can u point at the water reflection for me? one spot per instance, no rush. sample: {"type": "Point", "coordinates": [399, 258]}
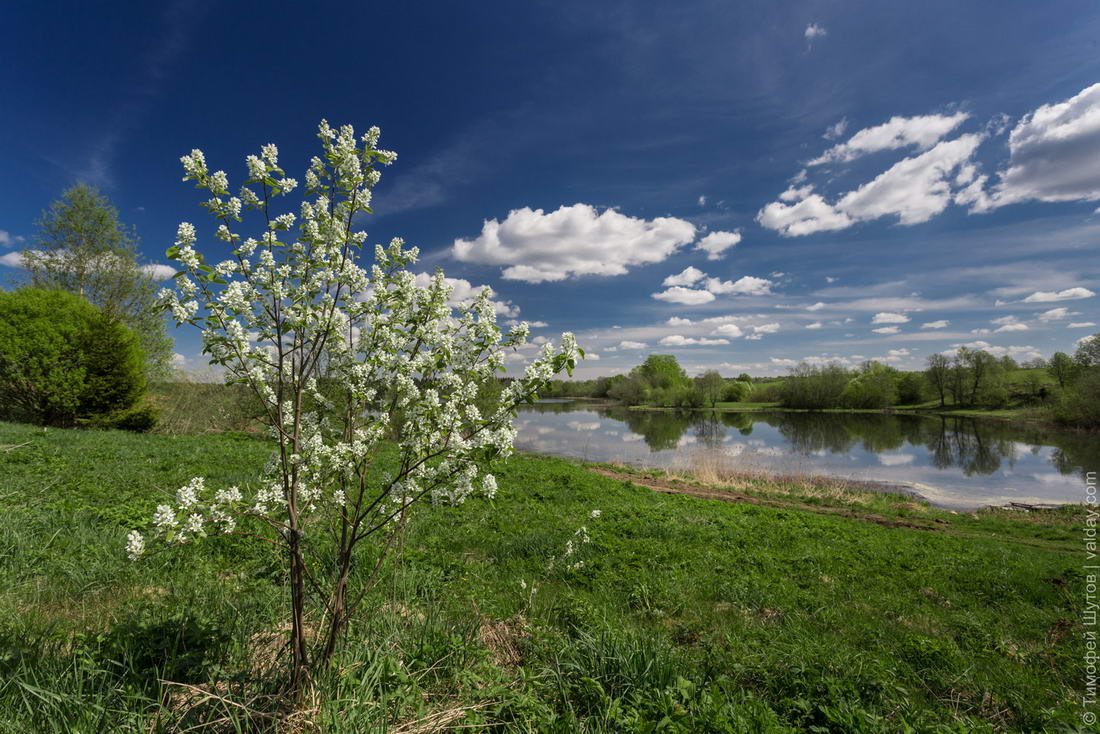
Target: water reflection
{"type": "Point", "coordinates": [959, 461]}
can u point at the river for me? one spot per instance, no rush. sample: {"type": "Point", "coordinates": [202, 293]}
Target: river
{"type": "Point", "coordinates": [959, 463]}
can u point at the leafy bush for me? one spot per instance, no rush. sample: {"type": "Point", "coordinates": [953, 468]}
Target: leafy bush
{"type": "Point", "coordinates": [1080, 403]}
{"type": "Point", "coordinates": [63, 362]}
{"type": "Point", "coordinates": [814, 387]}
{"type": "Point", "coordinates": [874, 387]}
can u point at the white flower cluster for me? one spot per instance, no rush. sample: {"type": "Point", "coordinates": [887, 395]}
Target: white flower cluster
{"type": "Point", "coordinates": [350, 363]}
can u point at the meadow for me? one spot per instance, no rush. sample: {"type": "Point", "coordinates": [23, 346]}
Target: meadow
{"type": "Point", "coordinates": [711, 603]}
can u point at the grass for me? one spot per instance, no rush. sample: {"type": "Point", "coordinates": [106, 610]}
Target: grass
{"type": "Point", "coordinates": [775, 606]}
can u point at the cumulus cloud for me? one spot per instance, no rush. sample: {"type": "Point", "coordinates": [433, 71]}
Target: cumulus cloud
{"type": "Point", "coordinates": [941, 324]}
{"type": "Point", "coordinates": [1080, 324]}
{"type": "Point", "coordinates": [684, 296]}
{"type": "Point", "coordinates": [715, 244]}
{"type": "Point", "coordinates": [766, 328]}
{"type": "Point", "coordinates": [730, 330]}
{"type": "Point", "coordinates": [886, 330]}
{"type": "Point", "coordinates": [12, 260]}
{"type": "Point", "coordinates": [1052, 154]}
{"type": "Point", "coordinates": [743, 286]}
{"type": "Point", "coordinates": [702, 200]}
{"type": "Point", "coordinates": [816, 307]}
{"type": "Point", "coordinates": [576, 240]}
{"type": "Point", "coordinates": [628, 346]}
{"type": "Point", "coordinates": [811, 213]}
{"type": "Point", "coordinates": [814, 325]}
{"type": "Point", "coordinates": [688, 276]}
{"type": "Point", "coordinates": [885, 317]}
{"type": "Point", "coordinates": [1069, 294]}
{"type": "Point", "coordinates": [7, 239]}
{"type": "Point", "coordinates": [707, 287]}
{"type": "Point", "coordinates": [677, 340]}
{"type": "Point", "coordinates": [921, 132]}
{"type": "Point", "coordinates": [1054, 314]}
{"type": "Point", "coordinates": [158, 272]}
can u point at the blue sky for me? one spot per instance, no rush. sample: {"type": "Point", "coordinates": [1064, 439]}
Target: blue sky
{"type": "Point", "coordinates": [744, 185]}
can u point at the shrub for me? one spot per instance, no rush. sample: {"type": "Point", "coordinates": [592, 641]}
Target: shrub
{"type": "Point", "coordinates": [1080, 403]}
{"type": "Point", "coordinates": [814, 387]}
{"type": "Point", "coordinates": [63, 362]}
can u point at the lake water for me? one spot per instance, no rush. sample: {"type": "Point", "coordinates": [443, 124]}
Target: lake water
{"type": "Point", "coordinates": [952, 462]}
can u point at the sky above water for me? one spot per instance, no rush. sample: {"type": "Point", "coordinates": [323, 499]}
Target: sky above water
{"type": "Point", "coordinates": [742, 184]}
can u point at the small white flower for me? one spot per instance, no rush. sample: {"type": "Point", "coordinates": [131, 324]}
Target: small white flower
{"type": "Point", "coordinates": [135, 545]}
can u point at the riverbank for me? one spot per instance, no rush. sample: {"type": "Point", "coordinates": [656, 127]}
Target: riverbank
{"type": "Point", "coordinates": [773, 605]}
{"type": "Point", "coordinates": [1037, 416]}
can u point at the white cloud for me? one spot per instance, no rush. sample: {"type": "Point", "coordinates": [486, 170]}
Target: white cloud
{"type": "Point", "coordinates": [159, 272]}
{"type": "Point", "coordinates": [1081, 324]}
{"type": "Point", "coordinates": [914, 189]}
{"type": "Point", "coordinates": [688, 276]}
{"type": "Point", "coordinates": [12, 260]}
{"type": "Point", "coordinates": [684, 296]}
{"type": "Point", "coordinates": [941, 324]}
{"type": "Point", "coordinates": [886, 330]}
{"type": "Point", "coordinates": [895, 459]}
{"type": "Point", "coordinates": [579, 426]}
{"type": "Point", "coordinates": [629, 345]}
{"type": "Point", "coordinates": [1052, 154]}
{"type": "Point", "coordinates": [677, 340]}
{"type": "Point", "coordinates": [816, 307]}
{"type": "Point", "coordinates": [463, 292]}
{"type": "Point", "coordinates": [1069, 294]}
{"type": "Point", "coordinates": [921, 132]}
{"type": "Point", "coordinates": [766, 328]}
{"type": "Point", "coordinates": [702, 200]}
{"type": "Point", "coordinates": [572, 241]}
{"type": "Point", "coordinates": [836, 130]}
{"type": "Point", "coordinates": [811, 214]}
{"type": "Point", "coordinates": [813, 30]}
{"type": "Point", "coordinates": [783, 362]}
{"type": "Point", "coordinates": [814, 325]}
{"type": "Point", "coordinates": [1011, 327]}
{"type": "Point", "coordinates": [744, 286]}
{"type": "Point", "coordinates": [1054, 314]}
{"type": "Point", "coordinates": [885, 317]}
{"type": "Point", "coordinates": [710, 287]}
{"type": "Point", "coordinates": [716, 243]}
{"type": "Point", "coordinates": [730, 330]}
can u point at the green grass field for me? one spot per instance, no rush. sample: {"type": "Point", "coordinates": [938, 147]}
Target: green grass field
{"type": "Point", "coordinates": [795, 608]}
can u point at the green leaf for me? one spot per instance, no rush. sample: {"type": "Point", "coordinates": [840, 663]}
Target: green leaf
{"type": "Point", "coordinates": [172, 251]}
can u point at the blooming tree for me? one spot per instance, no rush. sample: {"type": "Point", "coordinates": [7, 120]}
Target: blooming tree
{"type": "Point", "coordinates": [369, 383]}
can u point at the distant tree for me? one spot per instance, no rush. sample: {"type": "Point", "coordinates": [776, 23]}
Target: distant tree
{"type": "Point", "coordinates": [1061, 368]}
{"type": "Point", "coordinates": [1008, 364]}
{"type": "Point", "coordinates": [711, 387]}
{"type": "Point", "coordinates": [911, 388]}
{"type": "Point", "coordinates": [737, 390]}
{"type": "Point", "coordinates": [82, 247]}
{"type": "Point", "coordinates": [661, 371]}
{"type": "Point", "coordinates": [1038, 363]}
{"type": "Point", "coordinates": [744, 377]}
{"type": "Point", "coordinates": [938, 375]}
{"type": "Point", "coordinates": [874, 387]}
{"type": "Point", "coordinates": [813, 387]}
{"type": "Point", "coordinates": [1088, 352]}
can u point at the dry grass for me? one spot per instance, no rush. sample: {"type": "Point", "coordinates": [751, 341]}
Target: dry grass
{"type": "Point", "coordinates": [717, 468]}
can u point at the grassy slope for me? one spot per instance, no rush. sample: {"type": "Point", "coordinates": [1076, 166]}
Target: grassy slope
{"type": "Point", "coordinates": [711, 616]}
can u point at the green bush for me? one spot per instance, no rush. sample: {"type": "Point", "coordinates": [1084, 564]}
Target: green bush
{"type": "Point", "coordinates": [1080, 403]}
{"type": "Point", "coordinates": [63, 363]}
